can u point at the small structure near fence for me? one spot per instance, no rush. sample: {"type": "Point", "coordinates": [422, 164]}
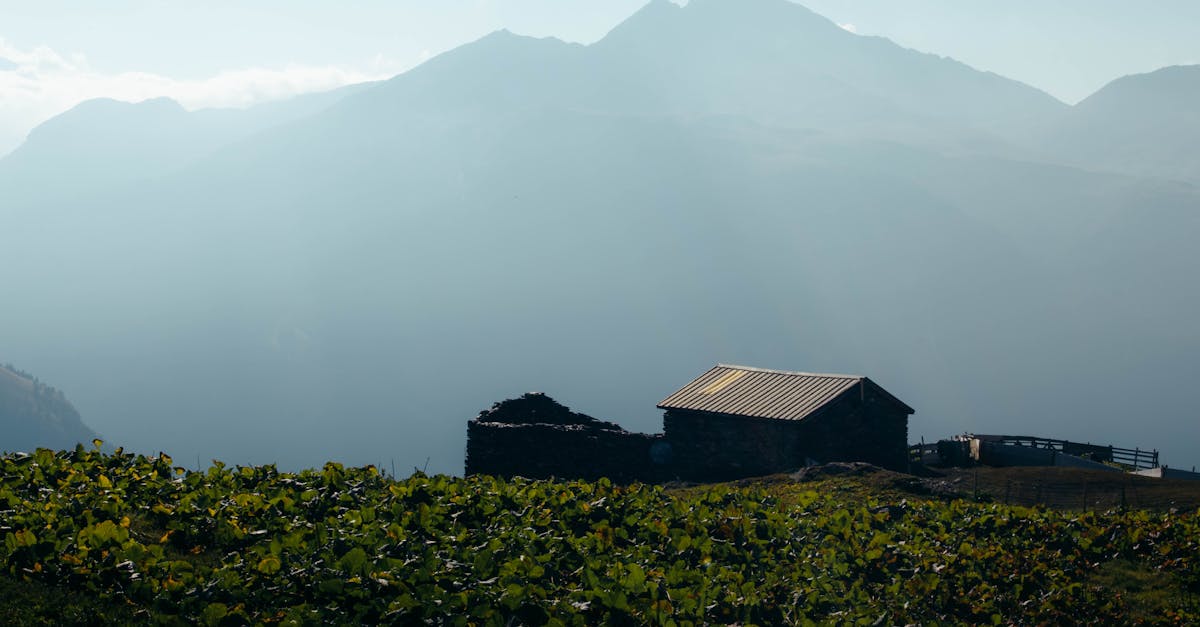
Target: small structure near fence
{"type": "Point", "coordinates": [1132, 458]}
{"type": "Point", "coordinates": [1163, 472]}
{"type": "Point", "coordinates": [1025, 450]}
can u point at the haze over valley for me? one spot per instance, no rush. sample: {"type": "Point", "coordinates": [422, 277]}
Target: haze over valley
{"type": "Point", "coordinates": [353, 274]}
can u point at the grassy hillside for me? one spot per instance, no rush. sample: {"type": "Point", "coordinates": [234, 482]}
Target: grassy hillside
{"type": "Point", "coordinates": [90, 536]}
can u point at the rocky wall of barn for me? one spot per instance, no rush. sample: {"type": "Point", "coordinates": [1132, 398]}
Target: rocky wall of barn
{"type": "Point", "coordinates": [858, 427]}
{"type": "Point", "coordinates": [716, 447]}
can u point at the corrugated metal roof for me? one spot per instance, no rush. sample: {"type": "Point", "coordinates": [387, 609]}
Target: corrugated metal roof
{"type": "Point", "coordinates": [762, 393]}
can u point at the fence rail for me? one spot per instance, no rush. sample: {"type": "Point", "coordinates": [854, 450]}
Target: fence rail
{"type": "Point", "coordinates": [1134, 458]}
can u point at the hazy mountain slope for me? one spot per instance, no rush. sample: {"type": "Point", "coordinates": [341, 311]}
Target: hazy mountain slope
{"type": "Point", "coordinates": [601, 223]}
{"type": "Point", "coordinates": [1145, 124]}
{"type": "Point", "coordinates": [103, 142]}
{"type": "Point", "coordinates": [768, 60]}
{"type": "Point", "coordinates": [778, 58]}
{"type": "Point", "coordinates": [293, 321]}
{"type": "Point", "coordinates": [33, 414]}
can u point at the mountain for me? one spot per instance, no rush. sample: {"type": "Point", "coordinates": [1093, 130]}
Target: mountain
{"type": "Point", "coordinates": [777, 60]}
{"type": "Point", "coordinates": [727, 181]}
{"type": "Point", "coordinates": [33, 414]}
{"type": "Point", "coordinates": [104, 142]}
{"type": "Point", "coordinates": [1144, 124]}
{"type": "Point", "coordinates": [771, 61]}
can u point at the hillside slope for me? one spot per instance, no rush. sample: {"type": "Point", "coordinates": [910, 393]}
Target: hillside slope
{"type": "Point", "coordinates": [33, 414]}
{"type": "Point", "coordinates": [104, 143]}
{"type": "Point", "coordinates": [1145, 124]}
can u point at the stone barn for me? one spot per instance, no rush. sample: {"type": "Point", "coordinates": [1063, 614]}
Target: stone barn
{"type": "Point", "coordinates": [737, 421]}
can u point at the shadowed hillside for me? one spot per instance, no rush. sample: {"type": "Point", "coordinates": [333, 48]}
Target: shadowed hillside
{"type": "Point", "coordinates": [33, 414]}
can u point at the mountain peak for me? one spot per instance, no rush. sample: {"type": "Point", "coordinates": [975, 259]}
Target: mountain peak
{"type": "Point", "coordinates": [109, 113]}
{"type": "Point", "coordinates": [499, 42]}
{"type": "Point", "coordinates": [507, 37]}
{"type": "Point", "coordinates": [746, 6]}
{"type": "Point", "coordinates": [706, 22]}
{"type": "Point", "coordinates": [765, 14]}
{"type": "Point", "coordinates": [1174, 88]}
{"type": "Point", "coordinates": [499, 35]}
{"type": "Point", "coordinates": [160, 104]}
{"type": "Point", "coordinates": [743, 10]}
{"type": "Point", "coordinates": [1186, 76]}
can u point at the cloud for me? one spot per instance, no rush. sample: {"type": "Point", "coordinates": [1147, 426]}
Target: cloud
{"type": "Point", "coordinates": [38, 84]}
{"type": "Point", "coordinates": [849, 27]}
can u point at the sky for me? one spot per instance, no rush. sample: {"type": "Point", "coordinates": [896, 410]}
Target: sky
{"type": "Point", "coordinates": [226, 53]}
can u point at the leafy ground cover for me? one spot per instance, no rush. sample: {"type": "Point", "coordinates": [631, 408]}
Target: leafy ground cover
{"type": "Point", "coordinates": [116, 537]}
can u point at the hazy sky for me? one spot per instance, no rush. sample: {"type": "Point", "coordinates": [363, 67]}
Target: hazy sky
{"type": "Point", "coordinates": [56, 53]}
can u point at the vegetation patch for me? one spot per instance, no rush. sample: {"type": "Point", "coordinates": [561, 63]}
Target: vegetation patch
{"type": "Point", "coordinates": [86, 532]}
{"type": "Point", "coordinates": [33, 601]}
{"type": "Point", "coordinates": [1146, 593]}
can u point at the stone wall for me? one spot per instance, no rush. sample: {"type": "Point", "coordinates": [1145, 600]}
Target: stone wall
{"type": "Point", "coordinates": [535, 437]}
{"type": "Point", "coordinates": [537, 408]}
{"type": "Point", "coordinates": [541, 451]}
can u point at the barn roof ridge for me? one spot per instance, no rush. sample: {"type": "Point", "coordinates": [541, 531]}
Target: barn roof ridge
{"type": "Point", "coordinates": [766, 393]}
{"type": "Point", "coordinates": [792, 372]}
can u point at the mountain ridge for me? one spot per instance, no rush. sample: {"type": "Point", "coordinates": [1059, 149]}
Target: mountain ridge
{"type": "Point", "coordinates": [1143, 124]}
{"type": "Point", "coordinates": [103, 141]}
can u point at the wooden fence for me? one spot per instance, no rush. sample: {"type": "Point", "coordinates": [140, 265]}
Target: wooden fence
{"type": "Point", "coordinates": [1132, 458]}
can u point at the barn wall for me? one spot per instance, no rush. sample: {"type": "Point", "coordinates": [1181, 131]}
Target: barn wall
{"type": "Point", "coordinates": [866, 428]}
{"type": "Point", "coordinates": [716, 447]}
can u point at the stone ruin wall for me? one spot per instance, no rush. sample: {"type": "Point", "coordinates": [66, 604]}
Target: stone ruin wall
{"type": "Point", "coordinates": [535, 437]}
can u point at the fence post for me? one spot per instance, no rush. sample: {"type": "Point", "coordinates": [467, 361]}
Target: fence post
{"type": "Point", "coordinates": [1007, 489]}
{"type": "Point", "coordinates": [1085, 500]}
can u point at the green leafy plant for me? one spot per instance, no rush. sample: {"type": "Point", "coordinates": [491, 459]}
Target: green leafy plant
{"type": "Point", "coordinates": [234, 545]}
